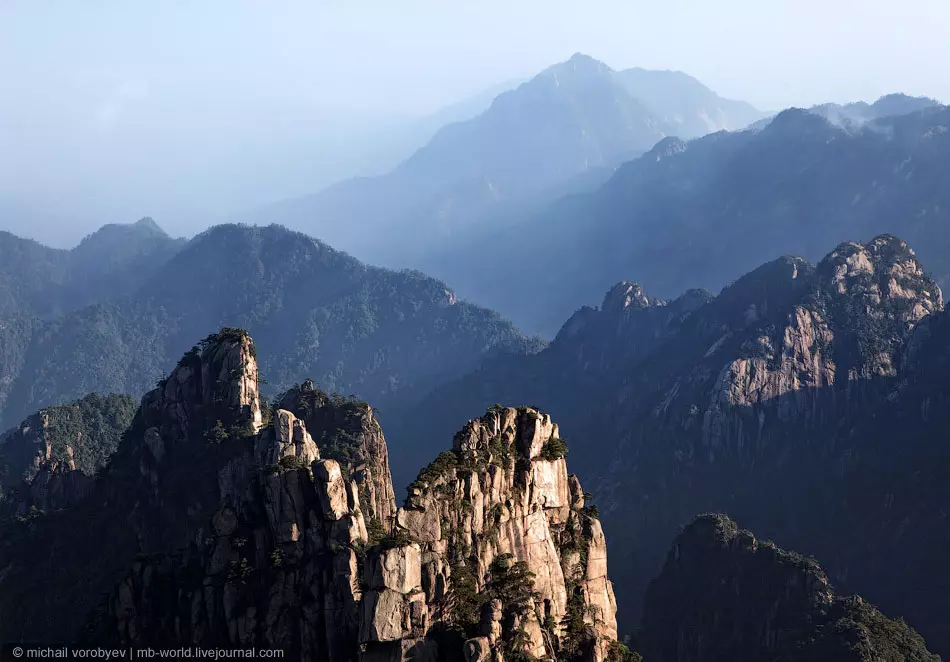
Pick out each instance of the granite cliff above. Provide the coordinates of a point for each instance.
(231, 522)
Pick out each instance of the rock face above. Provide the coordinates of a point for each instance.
(806, 400)
(724, 595)
(351, 435)
(229, 524)
(216, 381)
(510, 557)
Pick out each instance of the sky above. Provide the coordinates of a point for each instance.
(188, 111)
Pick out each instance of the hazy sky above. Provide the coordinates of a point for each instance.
(186, 111)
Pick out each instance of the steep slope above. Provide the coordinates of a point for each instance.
(351, 327)
(723, 595)
(42, 281)
(228, 526)
(802, 399)
(702, 213)
(575, 118)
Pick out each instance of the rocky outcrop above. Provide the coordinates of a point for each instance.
(229, 525)
(510, 557)
(351, 435)
(216, 381)
(48, 462)
(723, 595)
(281, 532)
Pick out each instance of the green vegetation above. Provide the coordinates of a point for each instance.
(442, 465)
(465, 601)
(292, 463)
(855, 630)
(375, 531)
(354, 328)
(554, 449)
(92, 427)
(217, 434)
(342, 446)
(618, 652)
(398, 538)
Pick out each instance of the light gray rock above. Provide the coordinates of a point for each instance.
(384, 616)
(398, 569)
(331, 488)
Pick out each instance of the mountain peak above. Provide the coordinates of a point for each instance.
(669, 146)
(148, 223)
(626, 295)
(886, 270)
(798, 121)
(216, 380)
(580, 64)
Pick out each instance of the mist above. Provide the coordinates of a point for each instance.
(194, 112)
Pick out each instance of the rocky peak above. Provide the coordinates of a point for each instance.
(217, 380)
(625, 295)
(351, 435)
(725, 595)
(580, 62)
(884, 273)
(669, 146)
(232, 526)
(798, 123)
(511, 556)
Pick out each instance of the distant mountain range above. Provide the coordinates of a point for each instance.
(575, 119)
(702, 213)
(351, 327)
(114, 260)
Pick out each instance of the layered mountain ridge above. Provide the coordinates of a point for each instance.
(351, 327)
(113, 261)
(802, 399)
(700, 213)
(565, 129)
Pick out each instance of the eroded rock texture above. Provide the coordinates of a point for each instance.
(497, 509)
(220, 521)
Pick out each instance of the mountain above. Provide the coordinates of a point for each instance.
(574, 118)
(684, 104)
(228, 525)
(49, 460)
(723, 595)
(42, 281)
(351, 327)
(232, 524)
(807, 400)
(702, 213)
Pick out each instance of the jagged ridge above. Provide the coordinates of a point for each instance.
(226, 526)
